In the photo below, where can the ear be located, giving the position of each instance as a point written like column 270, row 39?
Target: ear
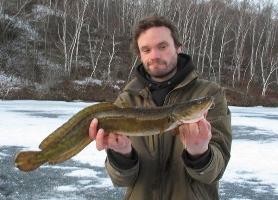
column 179, row 49
column 139, row 56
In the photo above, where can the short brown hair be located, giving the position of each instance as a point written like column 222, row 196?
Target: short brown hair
column 149, row 22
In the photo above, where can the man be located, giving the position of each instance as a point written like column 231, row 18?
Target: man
column 168, row 166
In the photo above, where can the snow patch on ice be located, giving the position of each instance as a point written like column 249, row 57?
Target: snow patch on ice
column 3, row 154
column 102, row 182
column 84, row 182
column 66, row 188
column 254, row 161
column 83, row 173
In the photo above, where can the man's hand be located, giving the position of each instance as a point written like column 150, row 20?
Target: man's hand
column 196, row 137
column 114, row 141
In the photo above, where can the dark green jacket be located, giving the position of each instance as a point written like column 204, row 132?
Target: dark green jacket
column 160, row 172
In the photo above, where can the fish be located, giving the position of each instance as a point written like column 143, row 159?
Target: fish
column 72, row 137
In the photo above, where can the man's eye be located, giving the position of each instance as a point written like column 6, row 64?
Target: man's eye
column 162, row 46
column 145, row 50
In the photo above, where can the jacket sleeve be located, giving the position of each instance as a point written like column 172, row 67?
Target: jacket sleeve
column 220, row 118
column 198, row 163
column 122, row 174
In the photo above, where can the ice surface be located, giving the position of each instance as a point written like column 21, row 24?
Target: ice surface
column 27, row 123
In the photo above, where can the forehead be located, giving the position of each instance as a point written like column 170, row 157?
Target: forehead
column 154, row 36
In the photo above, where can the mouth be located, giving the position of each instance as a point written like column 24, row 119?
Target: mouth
column 156, row 62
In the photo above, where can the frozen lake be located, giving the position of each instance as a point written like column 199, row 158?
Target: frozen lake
column 251, row 174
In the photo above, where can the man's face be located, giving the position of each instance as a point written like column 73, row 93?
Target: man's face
column 158, row 52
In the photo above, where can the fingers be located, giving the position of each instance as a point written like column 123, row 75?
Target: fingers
column 189, row 129
column 193, row 128
column 93, row 129
column 123, row 140
column 196, row 136
column 118, row 143
column 112, row 141
column 101, row 140
column 194, row 131
column 183, row 129
column 205, row 128
column 124, row 145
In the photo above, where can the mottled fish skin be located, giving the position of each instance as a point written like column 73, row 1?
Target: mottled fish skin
column 72, row 136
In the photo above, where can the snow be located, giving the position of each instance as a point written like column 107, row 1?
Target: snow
column 89, row 81
column 255, row 117
column 26, row 123
column 93, row 81
column 8, row 81
column 255, row 159
column 42, row 11
column 21, row 24
column 67, row 188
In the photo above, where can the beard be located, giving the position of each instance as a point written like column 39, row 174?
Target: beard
column 159, row 68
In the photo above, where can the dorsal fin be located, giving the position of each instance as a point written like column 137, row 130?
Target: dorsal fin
column 63, row 130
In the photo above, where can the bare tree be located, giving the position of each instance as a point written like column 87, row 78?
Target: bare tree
column 222, row 36
column 240, row 39
column 64, row 38
column 252, row 56
column 79, row 25
column 72, row 47
column 268, row 62
column 207, row 35
column 1, row 6
column 186, row 23
column 93, row 49
column 111, row 57
column 201, row 44
column 222, row 49
column 212, row 44
column 267, row 82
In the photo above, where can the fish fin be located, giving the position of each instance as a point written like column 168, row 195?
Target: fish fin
column 173, row 117
column 27, row 160
column 71, row 152
column 86, row 113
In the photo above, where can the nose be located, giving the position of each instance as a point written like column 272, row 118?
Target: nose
column 155, row 54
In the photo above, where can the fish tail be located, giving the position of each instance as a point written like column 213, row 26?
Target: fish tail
column 28, row 160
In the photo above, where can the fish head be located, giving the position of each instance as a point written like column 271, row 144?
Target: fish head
column 192, row 111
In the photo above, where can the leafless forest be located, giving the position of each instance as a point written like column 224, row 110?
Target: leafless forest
column 51, row 45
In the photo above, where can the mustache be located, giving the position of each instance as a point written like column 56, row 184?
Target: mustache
column 156, row 61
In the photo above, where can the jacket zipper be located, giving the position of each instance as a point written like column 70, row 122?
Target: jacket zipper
column 161, row 145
